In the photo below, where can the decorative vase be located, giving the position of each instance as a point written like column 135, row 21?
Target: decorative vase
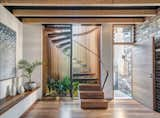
column 13, row 90
column 26, row 86
column 21, row 90
column 18, row 82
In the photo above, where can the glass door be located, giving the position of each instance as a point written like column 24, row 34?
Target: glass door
column 122, row 71
column 123, row 41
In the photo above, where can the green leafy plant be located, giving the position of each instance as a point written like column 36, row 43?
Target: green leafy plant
column 66, row 82
column 62, row 87
column 75, row 88
column 28, row 68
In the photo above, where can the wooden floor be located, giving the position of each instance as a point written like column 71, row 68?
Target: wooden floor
column 71, row 109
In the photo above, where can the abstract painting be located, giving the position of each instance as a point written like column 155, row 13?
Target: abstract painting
column 7, row 52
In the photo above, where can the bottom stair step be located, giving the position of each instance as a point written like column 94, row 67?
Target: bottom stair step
column 94, row 104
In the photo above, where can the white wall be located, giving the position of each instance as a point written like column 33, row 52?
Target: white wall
column 32, row 48
column 107, row 58
column 9, row 20
column 142, row 72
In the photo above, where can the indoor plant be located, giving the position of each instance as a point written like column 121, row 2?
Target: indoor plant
column 27, row 70
column 75, row 88
column 61, row 88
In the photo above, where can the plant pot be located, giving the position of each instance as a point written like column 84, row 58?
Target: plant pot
column 26, row 86
column 32, row 85
column 21, row 90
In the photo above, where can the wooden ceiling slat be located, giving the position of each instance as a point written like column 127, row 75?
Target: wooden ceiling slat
column 82, row 20
column 85, row 13
column 80, row 2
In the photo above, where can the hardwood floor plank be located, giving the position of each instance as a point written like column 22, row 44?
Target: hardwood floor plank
column 71, row 109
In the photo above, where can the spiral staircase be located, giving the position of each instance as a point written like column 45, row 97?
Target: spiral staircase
column 90, row 89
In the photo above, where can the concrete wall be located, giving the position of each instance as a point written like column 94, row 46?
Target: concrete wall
column 107, row 58
column 32, row 48
column 9, row 20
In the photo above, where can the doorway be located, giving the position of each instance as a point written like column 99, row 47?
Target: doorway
column 122, row 67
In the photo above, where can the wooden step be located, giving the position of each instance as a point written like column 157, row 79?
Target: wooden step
column 83, row 74
column 63, row 44
column 59, row 38
column 94, row 104
column 89, row 87
column 59, row 26
column 91, row 95
column 86, row 80
column 59, row 34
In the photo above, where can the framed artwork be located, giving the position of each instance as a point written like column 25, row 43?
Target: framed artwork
column 7, row 53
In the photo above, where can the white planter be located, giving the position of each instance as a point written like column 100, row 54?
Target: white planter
column 32, row 85
column 13, row 90
column 21, row 90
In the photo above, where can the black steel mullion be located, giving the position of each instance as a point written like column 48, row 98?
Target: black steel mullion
column 71, row 67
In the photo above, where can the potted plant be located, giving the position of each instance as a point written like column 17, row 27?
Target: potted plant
column 75, row 88
column 27, row 70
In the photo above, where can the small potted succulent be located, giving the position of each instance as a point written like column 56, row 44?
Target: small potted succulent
column 27, row 70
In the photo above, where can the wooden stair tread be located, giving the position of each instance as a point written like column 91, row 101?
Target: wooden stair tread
column 89, row 85
column 91, row 92
column 83, row 74
column 94, row 100
column 85, row 79
column 91, row 95
column 59, row 39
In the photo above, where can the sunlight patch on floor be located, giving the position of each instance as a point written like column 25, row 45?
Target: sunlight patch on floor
column 120, row 95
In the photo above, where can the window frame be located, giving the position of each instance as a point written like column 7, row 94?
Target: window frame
column 120, row 42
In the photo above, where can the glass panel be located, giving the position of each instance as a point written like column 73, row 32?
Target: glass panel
column 123, row 33
column 122, row 70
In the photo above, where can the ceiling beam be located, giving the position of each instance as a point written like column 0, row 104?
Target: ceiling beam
column 80, row 2
column 82, row 20
column 85, row 13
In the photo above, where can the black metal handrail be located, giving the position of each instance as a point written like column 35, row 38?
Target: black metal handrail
column 99, row 59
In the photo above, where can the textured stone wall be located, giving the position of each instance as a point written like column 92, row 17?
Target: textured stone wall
column 157, row 75
column 148, row 29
